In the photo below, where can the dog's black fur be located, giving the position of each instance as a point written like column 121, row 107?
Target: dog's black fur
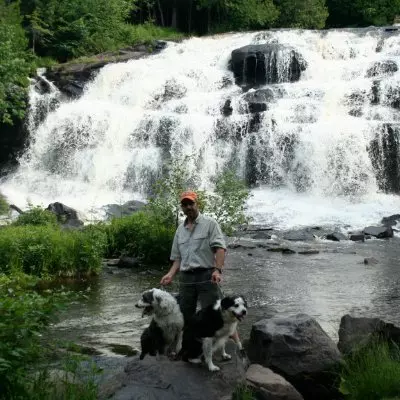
column 152, row 340
column 210, row 322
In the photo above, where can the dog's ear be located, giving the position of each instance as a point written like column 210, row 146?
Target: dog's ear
column 226, row 302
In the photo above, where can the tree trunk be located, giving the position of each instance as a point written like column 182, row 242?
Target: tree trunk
column 190, row 16
column 161, row 13
column 174, row 16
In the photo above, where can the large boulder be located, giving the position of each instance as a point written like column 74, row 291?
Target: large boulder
column 392, row 220
column 380, row 232
column 261, row 64
column 358, row 331
column 122, row 210
column 297, row 348
column 170, row 380
column 388, row 67
column 257, row 100
column 66, row 215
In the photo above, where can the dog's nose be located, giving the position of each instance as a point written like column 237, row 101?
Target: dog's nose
column 137, row 306
column 244, row 312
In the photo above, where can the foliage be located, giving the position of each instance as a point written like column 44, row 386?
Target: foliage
column 303, row 13
column 36, row 216
column 362, row 12
column 15, row 65
column 48, row 250
column 142, row 234
column 243, row 392
column 372, row 372
column 3, row 205
column 228, row 202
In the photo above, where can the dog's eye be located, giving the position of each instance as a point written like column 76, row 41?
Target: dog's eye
column 236, row 305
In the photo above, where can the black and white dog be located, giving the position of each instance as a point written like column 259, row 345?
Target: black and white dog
column 210, row 328
column 164, row 334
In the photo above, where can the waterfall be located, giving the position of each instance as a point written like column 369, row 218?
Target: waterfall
column 317, row 136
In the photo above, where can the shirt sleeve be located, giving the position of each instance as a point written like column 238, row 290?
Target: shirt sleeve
column 216, row 236
column 175, row 253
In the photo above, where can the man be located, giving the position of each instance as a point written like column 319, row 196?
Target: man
column 198, row 253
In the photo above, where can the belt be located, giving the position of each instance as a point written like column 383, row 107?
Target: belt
column 196, row 270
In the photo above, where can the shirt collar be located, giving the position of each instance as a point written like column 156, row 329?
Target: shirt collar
column 196, row 221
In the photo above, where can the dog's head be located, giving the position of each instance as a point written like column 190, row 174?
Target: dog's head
column 155, row 300
column 235, row 305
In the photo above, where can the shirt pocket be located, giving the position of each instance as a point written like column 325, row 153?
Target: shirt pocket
column 183, row 246
column 200, row 241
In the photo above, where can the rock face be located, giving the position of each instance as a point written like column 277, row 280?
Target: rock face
column 71, row 78
column 258, row 100
column 172, row 380
column 297, row 348
column 262, row 64
column 354, row 332
column 128, row 208
column 270, row 386
column 382, row 68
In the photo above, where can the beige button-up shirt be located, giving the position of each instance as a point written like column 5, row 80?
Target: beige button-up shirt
column 196, row 248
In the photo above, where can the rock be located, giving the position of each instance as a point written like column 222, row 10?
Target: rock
column 308, row 252
column 379, row 232
column 242, row 244
column 262, row 235
column 171, row 380
column 262, row 64
column 227, row 109
column 297, row 348
column 70, row 78
column 66, row 215
column 284, row 250
column 113, row 262
column 370, row 260
column 388, row 67
column 128, row 208
column 128, row 262
column 299, row 236
column 391, row 220
column 275, row 386
column 357, row 237
column 355, row 332
column 257, row 100
column 384, row 152
column 336, row 236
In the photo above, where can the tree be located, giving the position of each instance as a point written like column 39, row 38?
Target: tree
column 308, row 14
column 14, row 67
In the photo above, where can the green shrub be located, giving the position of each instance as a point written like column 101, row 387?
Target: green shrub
column 142, row 235
column 48, row 250
column 36, row 216
column 372, row 372
column 4, row 207
column 243, row 392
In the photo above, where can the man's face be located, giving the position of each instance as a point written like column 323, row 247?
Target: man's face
column 189, row 208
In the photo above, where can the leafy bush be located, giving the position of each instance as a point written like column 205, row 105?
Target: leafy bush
column 372, row 372
column 142, row 235
column 47, row 250
column 36, row 216
column 3, row 205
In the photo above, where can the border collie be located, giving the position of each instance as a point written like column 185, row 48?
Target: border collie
column 210, row 328
column 164, row 334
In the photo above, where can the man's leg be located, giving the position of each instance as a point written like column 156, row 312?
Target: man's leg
column 188, row 295
column 209, row 292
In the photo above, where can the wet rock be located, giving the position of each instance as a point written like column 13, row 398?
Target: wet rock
column 262, row 64
column 66, row 215
column 358, row 331
column 357, row 237
column 128, row 262
column 257, row 100
column 392, row 220
column 370, row 260
column 380, row 68
column 128, row 208
column 123, row 349
column 299, row 236
column 384, row 151
column 71, row 77
column 380, row 232
column 308, row 252
column 170, row 380
column 273, row 385
column 297, row 348
column 261, row 235
column 336, row 236
column 284, row 250
column 227, row 109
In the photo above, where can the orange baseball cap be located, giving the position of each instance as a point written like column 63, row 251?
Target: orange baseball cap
column 192, row 196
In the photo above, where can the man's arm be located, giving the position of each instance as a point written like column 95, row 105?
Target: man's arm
column 219, row 258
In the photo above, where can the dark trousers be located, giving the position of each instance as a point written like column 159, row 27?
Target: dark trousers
column 196, row 286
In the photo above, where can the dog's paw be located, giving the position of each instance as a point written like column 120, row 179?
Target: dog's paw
column 194, row 360
column 226, row 357
column 213, row 368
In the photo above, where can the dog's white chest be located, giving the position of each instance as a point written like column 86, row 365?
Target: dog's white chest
column 227, row 330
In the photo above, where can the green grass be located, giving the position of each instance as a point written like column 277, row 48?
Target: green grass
column 372, row 373
column 4, row 207
column 243, row 392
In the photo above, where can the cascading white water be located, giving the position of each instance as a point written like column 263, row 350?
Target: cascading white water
column 309, row 152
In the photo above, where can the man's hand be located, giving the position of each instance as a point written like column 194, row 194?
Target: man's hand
column 166, row 279
column 216, row 277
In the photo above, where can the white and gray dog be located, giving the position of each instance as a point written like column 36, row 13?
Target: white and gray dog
column 164, row 334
